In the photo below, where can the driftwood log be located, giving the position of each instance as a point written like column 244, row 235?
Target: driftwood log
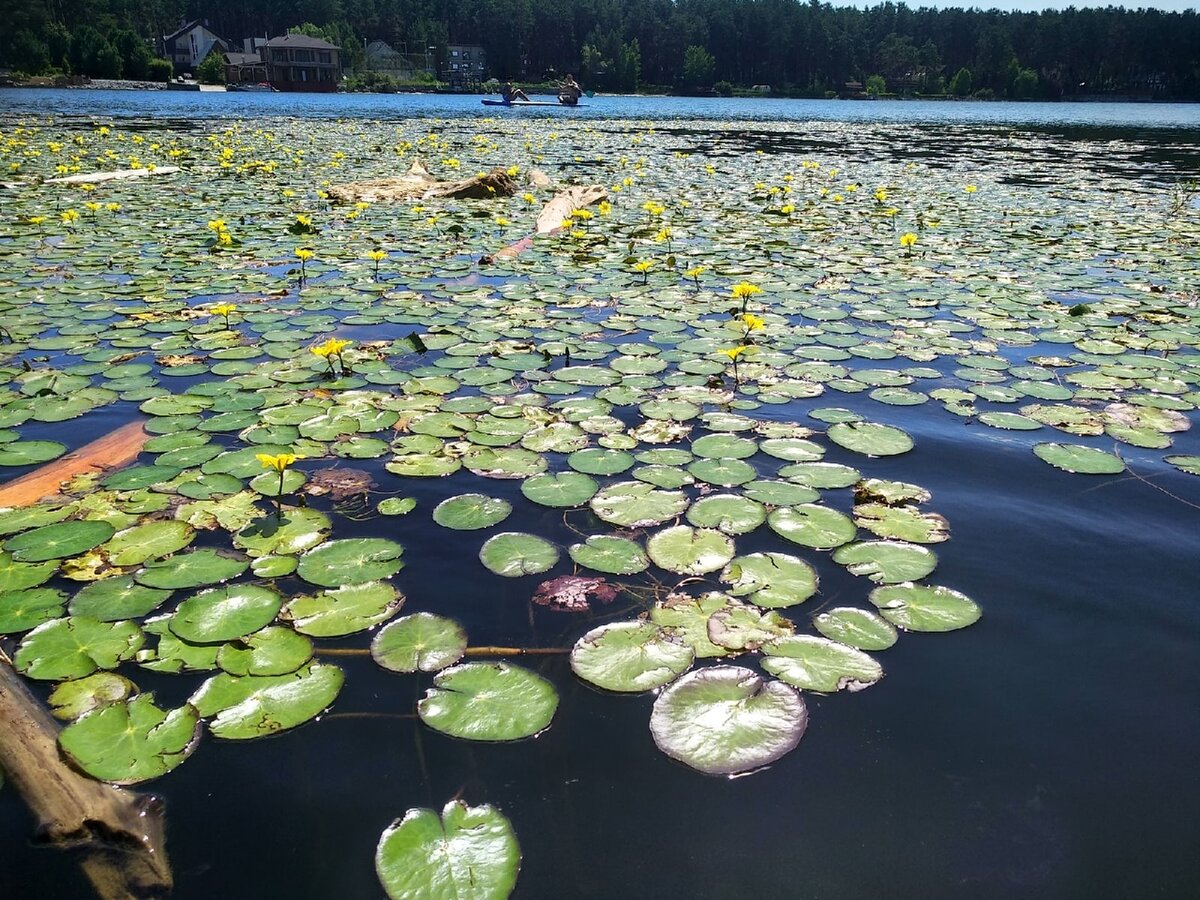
column 115, row 449
column 419, row 183
column 550, row 219
column 117, row 835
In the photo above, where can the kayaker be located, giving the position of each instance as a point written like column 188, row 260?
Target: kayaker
column 570, row 91
column 510, row 93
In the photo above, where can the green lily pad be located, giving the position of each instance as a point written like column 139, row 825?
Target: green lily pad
column 351, row 561
column 23, row 610
column 610, row 554
column 1189, row 464
column 813, row 526
column 72, row 699
column 470, row 853
column 488, row 702
column 1079, row 459
column 172, row 654
column 728, row 513
column 76, row 646
column 901, row 522
column 419, row 643
column 293, row 531
column 17, row 576
column 925, row 608
column 343, row 610
column 687, row 618
column 630, row 656
column 689, row 551
column 817, row 664
column 559, row 489
column 117, row 598
column 273, row 651
column 58, row 541
column 725, row 720
column 887, row 562
column 30, row 453
column 635, row 504
column 131, row 741
column 469, row 512
column 514, row 554
column 253, row 706
column 135, row 545
column 742, row 627
column 770, row 580
column 195, row 568
column 856, row 628
column 870, row 438
column 225, row 613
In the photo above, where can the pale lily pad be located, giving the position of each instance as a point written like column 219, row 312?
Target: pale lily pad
column 470, row 853
column 396, row 506
column 725, row 720
column 344, row 610
column 254, row 706
column 687, row 617
column 1077, row 458
column 58, row 541
column 293, row 531
column 351, row 561
column 192, row 569
column 135, row 545
column 630, row 656
column 76, row 646
column 488, row 702
column 887, row 562
column 419, row 643
column 856, row 628
column 610, row 554
column 225, row 613
column 728, row 513
column 131, row 741
column 635, row 504
column 770, row 580
column 559, row 489
column 71, row 699
column 1189, row 464
column 689, row 551
column 817, row 664
column 870, row 438
column 902, row 522
column 273, row 651
column 925, row 608
column 741, row 627
column 514, row 554
column 469, row 512
column 813, row 526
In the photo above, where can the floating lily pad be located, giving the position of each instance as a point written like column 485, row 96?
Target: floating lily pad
column 817, row 664
column 23, row 610
column 419, row 643
column 728, row 513
column 17, row 576
column 514, row 554
column 71, row 699
column 689, row 551
column 856, row 628
column 770, row 580
column 741, row 627
column 76, row 646
column 343, row 610
column 559, row 489
column 725, row 720
column 925, row 608
column 610, row 554
column 117, row 598
column 813, row 526
column 225, row 614
column 293, row 531
column 870, row 438
column 887, row 562
column 468, row 512
column 351, row 561
column 1077, row 458
column 273, row 651
column 687, row 618
column 254, row 706
column 58, row 541
column 192, row 569
column 135, row 545
column 488, row 702
column 630, row 656
column 470, row 853
column 901, row 522
column 30, row 453
column 131, row 741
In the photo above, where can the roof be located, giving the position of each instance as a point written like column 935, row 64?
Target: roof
column 184, row 30
column 300, row 41
column 243, row 59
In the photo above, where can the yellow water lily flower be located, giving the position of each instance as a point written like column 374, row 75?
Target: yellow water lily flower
column 753, row 322
column 970, row 188
column 734, row 352
column 881, row 194
column 304, row 254
column 744, row 290
column 224, row 309
column 69, row 216
column 278, row 462
column 331, row 347
column 643, row 265
column 216, row 225
column 377, row 255
column 907, row 239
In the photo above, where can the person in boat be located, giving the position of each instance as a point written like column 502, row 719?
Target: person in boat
column 570, row 91
column 509, row 93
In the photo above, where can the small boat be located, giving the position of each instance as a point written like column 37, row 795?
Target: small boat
column 528, row 103
column 182, row 84
column 261, row 86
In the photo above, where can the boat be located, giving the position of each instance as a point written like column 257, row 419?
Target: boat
column 182, row 84
column 261, row 86
column 529, row 103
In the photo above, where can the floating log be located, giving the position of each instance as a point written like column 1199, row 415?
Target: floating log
column 418, row 182
column 115, row 449
column 550, row 219
column 118, row 835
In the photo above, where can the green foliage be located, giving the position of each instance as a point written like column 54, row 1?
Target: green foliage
column 961, row 83
column 876, row 85
column 159, row 70
column 698, row 67
column 212, row 70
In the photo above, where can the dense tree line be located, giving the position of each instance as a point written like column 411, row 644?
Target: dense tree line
column 803, row 48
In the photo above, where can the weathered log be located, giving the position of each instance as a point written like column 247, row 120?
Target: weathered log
column 418, row 182
column 117, row 448
column 119, row 174
column 118, row 835
column 550, row 219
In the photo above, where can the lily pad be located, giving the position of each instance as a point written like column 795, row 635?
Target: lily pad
column 559, row 489
column 470, row 853
column 630, row 656
column 725, row 720
column 488, row 702
column 887, row 562
column 71, row 699
column 273, row 651
column 635, row 504
column 925, row 608
column 351, row 561
column 58, row 541
column 76, row 646
column 225, row 613
column 254, row 706
column 193, row 569
column 817, row 664
column 770, row 580
column 135, row 545
column 689, row 551
column 343, row 610
column 856, row 628
column 610, row 554
column 870, row 438
column 23, row 610
column 514, row 554
column 30, row 453
column 813, row 526
column 469, row 512
column 131, row 741
column 117, row 598
column 421, row 642
column 1079, row 459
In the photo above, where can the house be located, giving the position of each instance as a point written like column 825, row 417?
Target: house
column 464, row 65
column 244, row 68
column 296, row 62
column 187, row 47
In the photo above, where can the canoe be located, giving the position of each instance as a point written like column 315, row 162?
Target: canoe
column 529, row 103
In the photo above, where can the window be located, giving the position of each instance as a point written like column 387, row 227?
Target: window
column 454, row 53
column 323, row 56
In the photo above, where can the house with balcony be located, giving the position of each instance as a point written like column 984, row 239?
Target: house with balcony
column 464, row 65
column 296, row 62
column 189, row 44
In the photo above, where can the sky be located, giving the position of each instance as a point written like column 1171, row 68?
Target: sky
column 1027, row 5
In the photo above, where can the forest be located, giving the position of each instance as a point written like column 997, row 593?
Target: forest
column 801, row 49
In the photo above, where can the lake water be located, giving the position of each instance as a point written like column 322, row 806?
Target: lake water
column 1046, row 752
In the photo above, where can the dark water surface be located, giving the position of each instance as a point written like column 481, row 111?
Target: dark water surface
column 1048, row 751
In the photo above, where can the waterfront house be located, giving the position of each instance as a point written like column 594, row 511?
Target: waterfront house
column 244, row 68
column 296, row 62
column 187, row 46
column 464, row 65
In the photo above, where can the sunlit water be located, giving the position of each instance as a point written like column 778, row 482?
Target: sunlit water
column 1046, row 752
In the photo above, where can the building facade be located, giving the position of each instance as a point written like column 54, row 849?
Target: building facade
column 296, row 62
column 464, row 65
column 187, row 47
